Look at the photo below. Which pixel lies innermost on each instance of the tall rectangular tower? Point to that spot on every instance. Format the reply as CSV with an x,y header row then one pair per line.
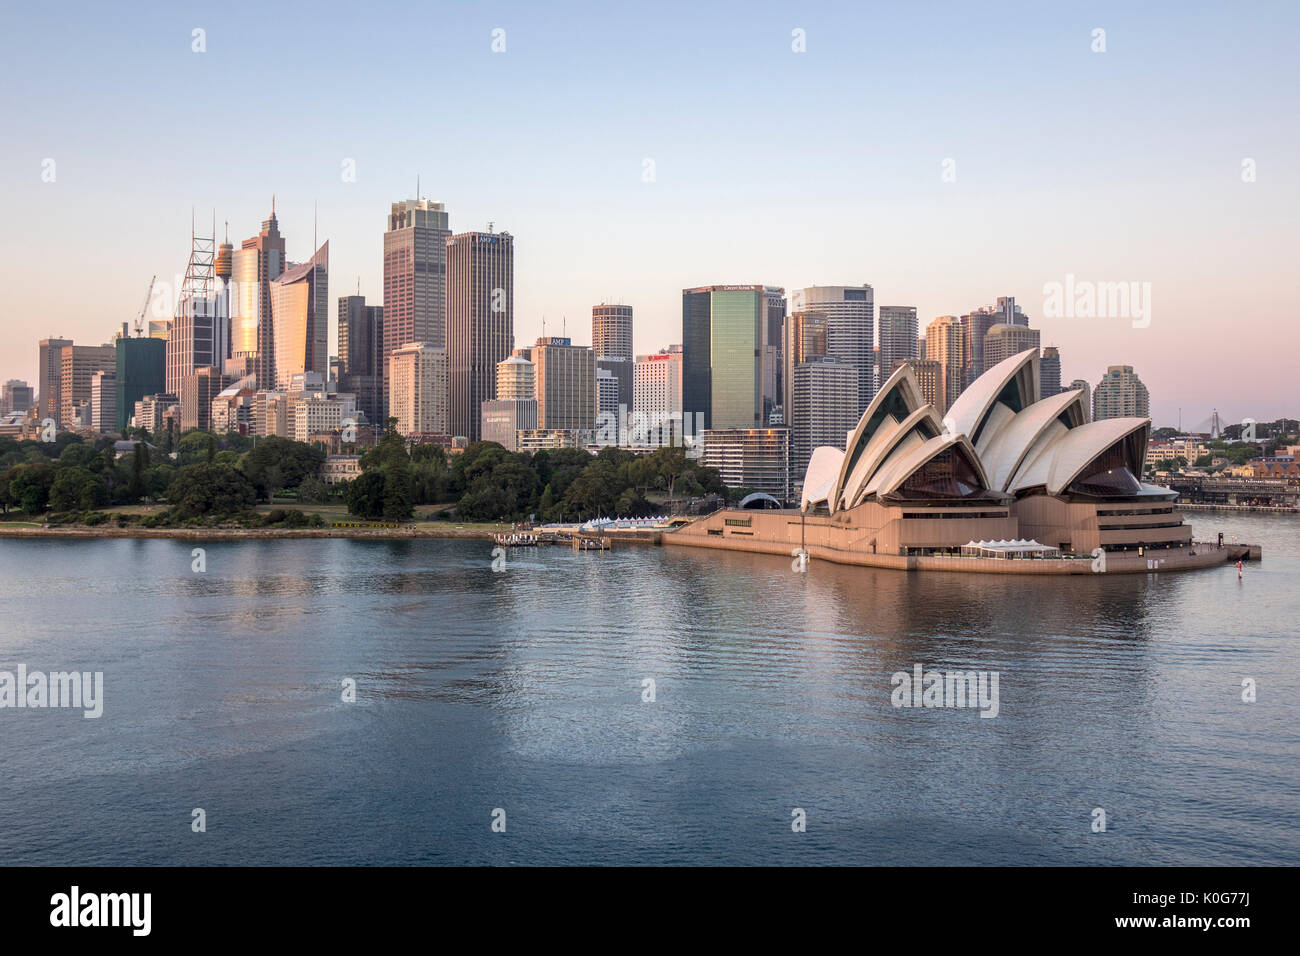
x,y
945,344
611,340
16,396
770,326
419,396
79,364
50,382
824,407
897,336
567,388
737,317
804,337
697,374
140,371
724,331
254,266
850,313
415,277
1050,372
361,355
480,329
300,315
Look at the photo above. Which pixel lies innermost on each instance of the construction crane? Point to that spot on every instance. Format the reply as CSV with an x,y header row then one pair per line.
x,y
139,319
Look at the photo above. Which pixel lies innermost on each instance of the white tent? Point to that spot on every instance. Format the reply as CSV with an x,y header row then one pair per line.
x,y
1018,548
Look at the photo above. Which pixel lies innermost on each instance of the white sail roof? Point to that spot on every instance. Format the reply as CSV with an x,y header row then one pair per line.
x,y
901,467
971,407
1006,449
900,390
917,427
819,480
1065,460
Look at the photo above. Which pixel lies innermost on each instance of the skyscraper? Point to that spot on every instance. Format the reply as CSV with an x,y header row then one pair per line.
x,y
567,386
79,364
198,391
1003,341
1120,394
724,331
736,322
1049,369
1011,313
141,369
480,328
361,355
1086,388
608,396
611,330
16,397
897,336
611,340
195,341
803,338
976,325
255,265
415,277
929,378
300,319
200,330
850,313
418,399
771,325
697,371
51,378
657,395
620,369
944,344
824,409
103,402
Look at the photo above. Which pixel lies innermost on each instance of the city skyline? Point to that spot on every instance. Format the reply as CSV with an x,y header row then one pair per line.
x,y
1067,172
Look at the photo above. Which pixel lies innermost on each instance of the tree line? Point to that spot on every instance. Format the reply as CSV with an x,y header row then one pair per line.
x,y
487,482
219,478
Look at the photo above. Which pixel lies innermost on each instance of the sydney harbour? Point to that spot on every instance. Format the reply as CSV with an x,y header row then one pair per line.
x,y
642,705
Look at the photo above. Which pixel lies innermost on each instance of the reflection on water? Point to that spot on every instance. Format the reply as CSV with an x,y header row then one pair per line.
x,y
523,690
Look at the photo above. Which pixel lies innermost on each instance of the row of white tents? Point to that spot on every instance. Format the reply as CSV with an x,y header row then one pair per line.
x,y
1016,548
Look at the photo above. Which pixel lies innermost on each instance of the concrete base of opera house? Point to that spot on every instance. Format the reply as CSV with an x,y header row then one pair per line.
x,y
827,538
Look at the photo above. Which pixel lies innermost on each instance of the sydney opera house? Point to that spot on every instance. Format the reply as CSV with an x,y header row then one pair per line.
x,y
1004,475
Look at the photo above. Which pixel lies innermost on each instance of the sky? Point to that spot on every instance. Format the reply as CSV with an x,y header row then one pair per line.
x,y
946,154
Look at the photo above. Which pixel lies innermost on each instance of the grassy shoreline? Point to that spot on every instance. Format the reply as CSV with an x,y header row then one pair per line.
x,y
477,532
419,526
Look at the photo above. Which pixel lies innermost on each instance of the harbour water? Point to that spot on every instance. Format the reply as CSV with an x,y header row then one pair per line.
x,y
525,690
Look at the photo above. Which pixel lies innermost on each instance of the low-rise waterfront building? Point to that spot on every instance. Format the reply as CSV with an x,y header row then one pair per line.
x,y
753,458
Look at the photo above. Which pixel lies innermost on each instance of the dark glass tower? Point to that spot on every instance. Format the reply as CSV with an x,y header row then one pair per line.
x,y
480,323
141,371
697,375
